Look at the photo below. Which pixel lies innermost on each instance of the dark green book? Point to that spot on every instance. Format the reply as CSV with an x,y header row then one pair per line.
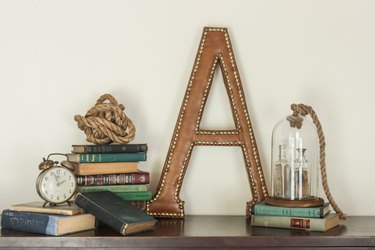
x,y
109,148
311,212
97,158
115,212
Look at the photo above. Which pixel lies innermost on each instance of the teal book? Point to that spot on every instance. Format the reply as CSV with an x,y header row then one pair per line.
x,y
135,196
114,188
311,212
97,158
115,212
49,224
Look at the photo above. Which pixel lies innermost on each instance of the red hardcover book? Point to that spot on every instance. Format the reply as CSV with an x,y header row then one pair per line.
x,y
139,177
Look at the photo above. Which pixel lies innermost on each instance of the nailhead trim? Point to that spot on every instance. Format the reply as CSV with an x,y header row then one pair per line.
x,y
219,58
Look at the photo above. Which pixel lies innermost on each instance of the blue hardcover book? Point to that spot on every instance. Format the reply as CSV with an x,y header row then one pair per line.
x,y
50,224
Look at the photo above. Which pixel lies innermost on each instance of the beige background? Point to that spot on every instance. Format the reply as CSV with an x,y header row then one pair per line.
x,y
58,57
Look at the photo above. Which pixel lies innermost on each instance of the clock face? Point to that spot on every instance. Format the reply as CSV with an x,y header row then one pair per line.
x,y
56,184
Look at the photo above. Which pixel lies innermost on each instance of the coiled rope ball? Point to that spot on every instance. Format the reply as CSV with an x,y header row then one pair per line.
x,y
106,122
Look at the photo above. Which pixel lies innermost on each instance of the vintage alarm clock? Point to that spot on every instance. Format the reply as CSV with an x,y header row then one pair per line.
x,y
56,183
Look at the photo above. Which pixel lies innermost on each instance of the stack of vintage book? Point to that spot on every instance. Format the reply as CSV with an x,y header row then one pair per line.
x,y
56,220
115,168
310,218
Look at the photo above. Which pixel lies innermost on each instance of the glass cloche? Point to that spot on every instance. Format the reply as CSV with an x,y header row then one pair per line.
x,y
295,163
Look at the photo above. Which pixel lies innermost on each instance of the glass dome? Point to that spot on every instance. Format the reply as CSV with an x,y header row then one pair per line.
x,y
295,160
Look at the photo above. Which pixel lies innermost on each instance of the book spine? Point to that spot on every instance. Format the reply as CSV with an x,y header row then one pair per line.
x,y
308,224
106,168
114,188
126,148
29,222
114,179
97,158
100,213
312,212
135,196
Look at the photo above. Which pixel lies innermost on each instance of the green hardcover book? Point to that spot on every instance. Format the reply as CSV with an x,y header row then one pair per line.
x,y
115,212
135,196
114,188
312,212
303,223
109,148
97,158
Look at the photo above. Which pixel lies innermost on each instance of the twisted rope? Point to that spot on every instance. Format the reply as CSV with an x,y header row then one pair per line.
x,y
296,121
106,122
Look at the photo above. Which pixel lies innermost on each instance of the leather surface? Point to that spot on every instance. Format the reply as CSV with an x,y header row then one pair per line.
x,y
215,50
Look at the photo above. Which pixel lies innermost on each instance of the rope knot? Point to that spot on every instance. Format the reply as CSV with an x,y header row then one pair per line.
x,y
296,118
106,122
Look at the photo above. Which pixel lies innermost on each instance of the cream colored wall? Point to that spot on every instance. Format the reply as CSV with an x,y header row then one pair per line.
x,y
58,57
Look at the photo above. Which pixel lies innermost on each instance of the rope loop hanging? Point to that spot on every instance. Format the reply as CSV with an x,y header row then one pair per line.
x,y
106,122
295,120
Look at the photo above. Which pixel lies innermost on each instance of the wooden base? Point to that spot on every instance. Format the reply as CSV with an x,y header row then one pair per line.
x,y
312,202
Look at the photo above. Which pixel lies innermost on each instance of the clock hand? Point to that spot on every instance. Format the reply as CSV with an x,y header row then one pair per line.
x,y
55,177
59,183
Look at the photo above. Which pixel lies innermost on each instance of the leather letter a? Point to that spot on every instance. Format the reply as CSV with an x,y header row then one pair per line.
x,y
215,49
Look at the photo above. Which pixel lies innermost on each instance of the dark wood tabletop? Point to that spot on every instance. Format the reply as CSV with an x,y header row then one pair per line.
x,y
205,231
